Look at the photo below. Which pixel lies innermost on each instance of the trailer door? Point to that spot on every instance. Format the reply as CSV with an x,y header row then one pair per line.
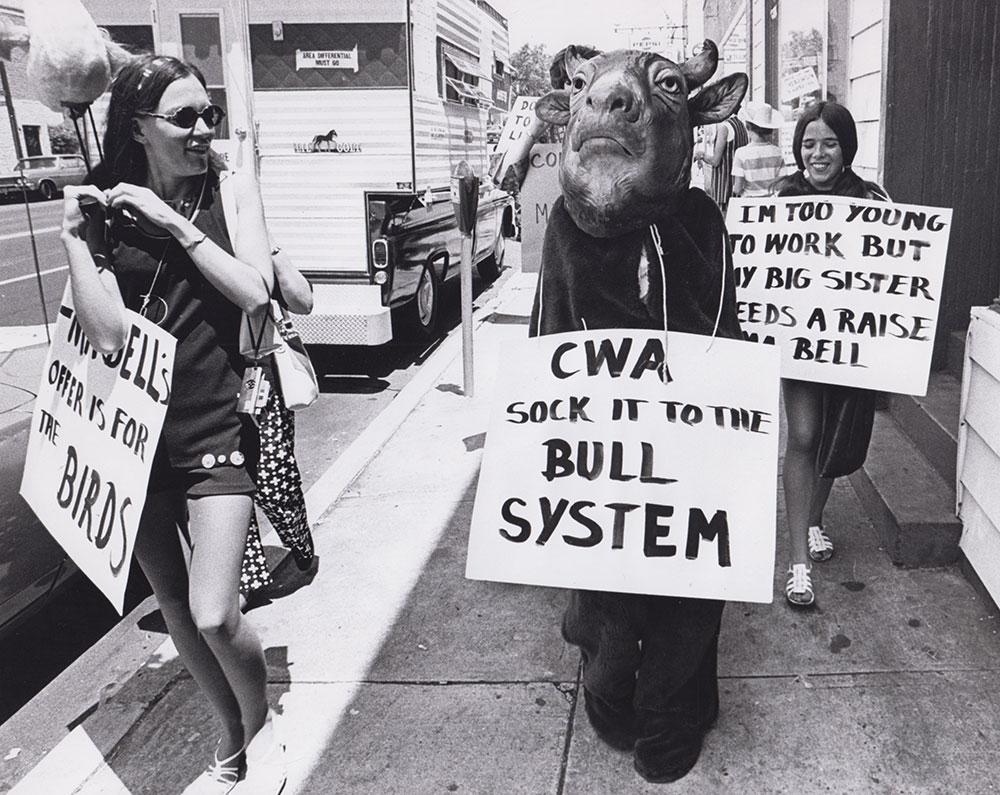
x,y
332,118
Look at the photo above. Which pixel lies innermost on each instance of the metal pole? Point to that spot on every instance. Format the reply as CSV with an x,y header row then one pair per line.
x,y
9,102
12,116
466,276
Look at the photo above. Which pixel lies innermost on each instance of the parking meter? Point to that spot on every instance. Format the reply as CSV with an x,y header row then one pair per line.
x,y
465,197
465,203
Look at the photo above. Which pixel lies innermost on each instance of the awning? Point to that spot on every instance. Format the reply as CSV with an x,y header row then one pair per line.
x,y
467,91
464,65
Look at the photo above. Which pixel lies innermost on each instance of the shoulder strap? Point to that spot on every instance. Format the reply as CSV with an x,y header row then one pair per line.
x,y
227,192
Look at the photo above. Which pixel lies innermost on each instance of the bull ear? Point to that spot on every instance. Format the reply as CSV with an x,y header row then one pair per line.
x,y
554,107
699,68
719,100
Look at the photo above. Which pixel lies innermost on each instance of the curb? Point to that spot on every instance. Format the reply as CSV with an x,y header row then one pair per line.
x,y
75,759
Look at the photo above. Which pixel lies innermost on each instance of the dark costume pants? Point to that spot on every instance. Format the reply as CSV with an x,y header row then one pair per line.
x,y
279,494
649,673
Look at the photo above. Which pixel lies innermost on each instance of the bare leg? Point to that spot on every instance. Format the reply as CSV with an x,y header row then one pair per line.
x,y
218,529
821,493
158,550
803,410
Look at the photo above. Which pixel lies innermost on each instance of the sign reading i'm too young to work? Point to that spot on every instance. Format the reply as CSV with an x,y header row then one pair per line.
x,y
848,288
597,475
94,429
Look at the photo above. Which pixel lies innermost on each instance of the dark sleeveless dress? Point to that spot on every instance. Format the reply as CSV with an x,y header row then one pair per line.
x,y
202,429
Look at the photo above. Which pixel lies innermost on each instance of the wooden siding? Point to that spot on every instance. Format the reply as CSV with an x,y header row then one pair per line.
x,y
941,130
979,449
864,83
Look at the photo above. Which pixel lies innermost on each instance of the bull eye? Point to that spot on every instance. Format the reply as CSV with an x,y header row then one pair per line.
x,y
669,83
578,83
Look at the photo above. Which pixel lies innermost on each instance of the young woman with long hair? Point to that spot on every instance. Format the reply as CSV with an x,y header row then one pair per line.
x,y
149,234
824,145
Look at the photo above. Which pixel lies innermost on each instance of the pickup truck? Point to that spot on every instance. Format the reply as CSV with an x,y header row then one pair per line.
x,y
414,249
45,175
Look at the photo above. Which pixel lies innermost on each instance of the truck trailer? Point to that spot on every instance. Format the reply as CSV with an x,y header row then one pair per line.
x,y
354,117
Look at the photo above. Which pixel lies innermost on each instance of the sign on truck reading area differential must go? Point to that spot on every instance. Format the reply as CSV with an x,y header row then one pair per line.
x,y
848,288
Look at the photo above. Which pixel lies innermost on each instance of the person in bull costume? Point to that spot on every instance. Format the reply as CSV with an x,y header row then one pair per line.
x,y
630,245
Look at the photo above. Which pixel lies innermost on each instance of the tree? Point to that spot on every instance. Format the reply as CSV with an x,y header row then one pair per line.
x,y
63,140
802,49
531,65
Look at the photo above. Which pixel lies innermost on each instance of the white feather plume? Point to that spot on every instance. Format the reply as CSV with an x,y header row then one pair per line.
x,y
70,60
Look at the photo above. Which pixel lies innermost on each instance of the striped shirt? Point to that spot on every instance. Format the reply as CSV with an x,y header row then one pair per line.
x,y
722,180
760,164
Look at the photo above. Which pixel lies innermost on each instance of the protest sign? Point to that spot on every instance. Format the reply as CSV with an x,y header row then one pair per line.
x,y
597,475
538,194
848,288
94,429
517,124
799,83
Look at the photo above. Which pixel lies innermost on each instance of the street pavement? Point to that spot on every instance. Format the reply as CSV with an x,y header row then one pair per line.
x,y
392,673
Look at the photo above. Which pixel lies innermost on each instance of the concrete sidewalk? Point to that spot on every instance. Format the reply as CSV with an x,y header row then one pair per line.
x,y
395,674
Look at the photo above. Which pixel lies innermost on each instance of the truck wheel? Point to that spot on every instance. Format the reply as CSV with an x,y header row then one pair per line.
x,y
489,268
426,302
47,189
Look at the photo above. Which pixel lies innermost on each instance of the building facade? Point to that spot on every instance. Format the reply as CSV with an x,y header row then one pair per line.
x,y
31,118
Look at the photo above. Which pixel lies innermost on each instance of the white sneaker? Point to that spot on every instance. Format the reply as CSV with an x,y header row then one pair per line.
x,y
220,778
265,757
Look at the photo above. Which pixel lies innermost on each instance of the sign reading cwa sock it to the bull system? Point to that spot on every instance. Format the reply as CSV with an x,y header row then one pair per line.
x,y
95,427
849,289
598,475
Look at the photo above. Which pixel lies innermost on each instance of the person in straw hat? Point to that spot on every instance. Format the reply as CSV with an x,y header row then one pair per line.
x,y
757,165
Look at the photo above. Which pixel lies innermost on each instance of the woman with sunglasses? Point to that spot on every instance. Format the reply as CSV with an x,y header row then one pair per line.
x,y
150,235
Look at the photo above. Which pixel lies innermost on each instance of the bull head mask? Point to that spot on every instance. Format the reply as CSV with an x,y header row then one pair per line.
x,y
629,133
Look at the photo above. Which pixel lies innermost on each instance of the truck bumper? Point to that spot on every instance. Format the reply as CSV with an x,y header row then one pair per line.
x,y
346,314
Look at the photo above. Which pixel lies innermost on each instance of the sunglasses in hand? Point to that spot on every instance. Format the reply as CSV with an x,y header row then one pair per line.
x,y
187,117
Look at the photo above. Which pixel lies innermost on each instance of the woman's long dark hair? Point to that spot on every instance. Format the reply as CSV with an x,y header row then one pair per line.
x,y
837,118
137,88
847,183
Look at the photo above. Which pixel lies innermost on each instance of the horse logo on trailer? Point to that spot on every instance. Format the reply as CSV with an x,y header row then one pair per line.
x,y
326,143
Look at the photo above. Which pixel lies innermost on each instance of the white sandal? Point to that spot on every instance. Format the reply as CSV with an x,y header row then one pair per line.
x,y
799,590
221,776
820,545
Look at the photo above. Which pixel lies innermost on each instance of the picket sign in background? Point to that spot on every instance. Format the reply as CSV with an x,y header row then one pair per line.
x,y
517,123
711,468
807,269
538,193
95,427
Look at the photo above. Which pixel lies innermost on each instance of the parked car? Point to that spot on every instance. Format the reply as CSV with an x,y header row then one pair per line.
x,y
45,175
34,566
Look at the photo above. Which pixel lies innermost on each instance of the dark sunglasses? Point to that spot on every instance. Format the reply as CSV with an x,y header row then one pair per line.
x,y
187,117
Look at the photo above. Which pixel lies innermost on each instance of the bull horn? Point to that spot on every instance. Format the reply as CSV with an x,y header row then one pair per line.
x,y
699,68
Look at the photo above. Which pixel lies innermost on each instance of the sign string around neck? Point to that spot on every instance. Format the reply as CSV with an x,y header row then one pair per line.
x,y
148,295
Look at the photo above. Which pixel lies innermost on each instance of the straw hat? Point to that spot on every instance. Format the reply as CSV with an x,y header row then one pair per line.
x,y
762,115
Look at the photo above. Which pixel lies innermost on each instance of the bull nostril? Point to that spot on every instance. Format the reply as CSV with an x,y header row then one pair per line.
x,y
621,100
